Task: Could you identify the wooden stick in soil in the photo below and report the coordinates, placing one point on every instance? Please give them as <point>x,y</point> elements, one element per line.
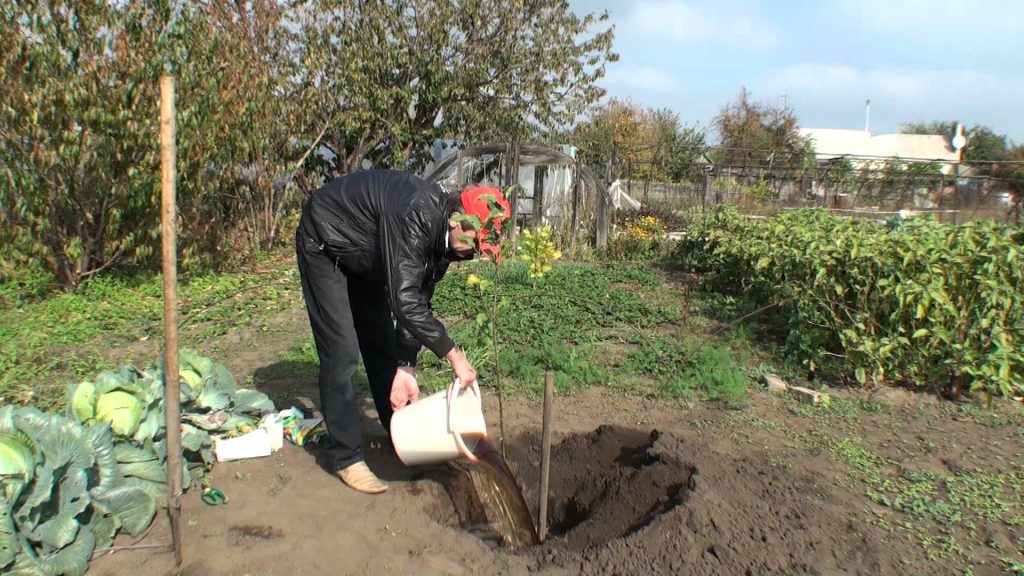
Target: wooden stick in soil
<point>545,456</point>
<point>168,215</point>
<point>497,363</point>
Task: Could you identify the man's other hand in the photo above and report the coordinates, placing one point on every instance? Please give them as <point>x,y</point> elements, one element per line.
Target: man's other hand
<point>404,388</point>
<point>464,371</point>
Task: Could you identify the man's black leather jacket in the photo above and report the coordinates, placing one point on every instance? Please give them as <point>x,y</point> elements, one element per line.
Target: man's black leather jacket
<point>389,227</point>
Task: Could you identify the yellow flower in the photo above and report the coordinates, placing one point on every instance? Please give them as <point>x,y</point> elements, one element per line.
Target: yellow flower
<point>472,280</point>
<point>537,249</point>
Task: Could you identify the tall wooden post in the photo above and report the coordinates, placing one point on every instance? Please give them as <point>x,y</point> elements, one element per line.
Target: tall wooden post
<point>172,391</point>
<point>506,185</point>
<point>545,456</point>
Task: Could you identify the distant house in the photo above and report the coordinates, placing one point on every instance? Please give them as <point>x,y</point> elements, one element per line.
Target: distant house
<point>865,150</point>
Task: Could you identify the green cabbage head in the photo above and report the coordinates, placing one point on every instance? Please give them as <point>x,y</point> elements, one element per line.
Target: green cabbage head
<point>16,458</point>
<point>82,402</point>
<point>123,411</point>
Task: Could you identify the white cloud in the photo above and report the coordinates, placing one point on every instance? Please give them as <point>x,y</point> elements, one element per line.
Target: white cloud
<point>685,22</point>
<point>642,78</point>
<point>957,24</point>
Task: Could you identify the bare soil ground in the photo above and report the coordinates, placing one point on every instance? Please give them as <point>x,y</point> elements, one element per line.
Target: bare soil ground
<point>638,486</point>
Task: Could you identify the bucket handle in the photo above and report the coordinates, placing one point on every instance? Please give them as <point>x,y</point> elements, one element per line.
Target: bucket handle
<point>453,392</point>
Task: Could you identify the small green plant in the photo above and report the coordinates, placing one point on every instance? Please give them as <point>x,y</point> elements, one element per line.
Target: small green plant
<point>941,547</point>
<point>760,190</point>
<point>488,233</point>
<point>1015,567</point>
<point>758,422</point>
<point>851,451</point>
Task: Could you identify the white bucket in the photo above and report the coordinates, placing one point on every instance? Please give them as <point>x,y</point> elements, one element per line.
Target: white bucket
<point>430,431</point>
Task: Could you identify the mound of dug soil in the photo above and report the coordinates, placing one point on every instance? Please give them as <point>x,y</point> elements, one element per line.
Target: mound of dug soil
<point>629,501</point>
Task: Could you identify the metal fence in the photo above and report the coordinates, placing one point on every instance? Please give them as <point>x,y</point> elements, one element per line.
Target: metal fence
<point>584,204</point>
<point>863,192</point>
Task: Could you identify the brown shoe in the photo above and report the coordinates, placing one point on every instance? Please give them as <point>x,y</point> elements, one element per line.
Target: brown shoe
<point>359,477</point>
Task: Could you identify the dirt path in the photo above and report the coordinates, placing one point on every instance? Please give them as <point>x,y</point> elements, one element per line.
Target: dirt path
<point>639,486</point>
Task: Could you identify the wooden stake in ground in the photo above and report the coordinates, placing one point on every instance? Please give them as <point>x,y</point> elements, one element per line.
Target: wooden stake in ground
<point>545,456</point>
<point>168,217</point>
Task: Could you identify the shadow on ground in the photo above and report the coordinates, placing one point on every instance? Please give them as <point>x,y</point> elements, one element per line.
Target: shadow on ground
<point>294,383</point>
<point>291,378</point>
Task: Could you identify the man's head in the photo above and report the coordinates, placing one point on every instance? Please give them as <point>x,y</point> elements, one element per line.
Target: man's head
<point>464,239</point>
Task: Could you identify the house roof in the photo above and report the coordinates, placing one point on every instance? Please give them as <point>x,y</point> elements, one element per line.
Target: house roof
<point>832,143</point>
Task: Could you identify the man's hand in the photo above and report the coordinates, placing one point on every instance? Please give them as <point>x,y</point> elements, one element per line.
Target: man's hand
<point>404,388</point>
<point>464,371</point>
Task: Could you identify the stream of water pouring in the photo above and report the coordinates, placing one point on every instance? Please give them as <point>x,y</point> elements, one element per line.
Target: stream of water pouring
<point>502,499</point>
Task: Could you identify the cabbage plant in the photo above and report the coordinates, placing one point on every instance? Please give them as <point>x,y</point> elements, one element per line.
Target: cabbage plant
<point>69,483</point>
<point>62,494</point>
<point>131,402</point>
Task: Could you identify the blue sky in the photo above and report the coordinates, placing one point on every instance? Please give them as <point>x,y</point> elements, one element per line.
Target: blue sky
<point>917,60</point>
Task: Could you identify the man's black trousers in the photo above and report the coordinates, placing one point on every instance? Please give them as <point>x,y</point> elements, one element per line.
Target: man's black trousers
<point>348,317</point>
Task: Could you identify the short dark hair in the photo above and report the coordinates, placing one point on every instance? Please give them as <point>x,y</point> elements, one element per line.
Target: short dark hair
<point>455,206</point>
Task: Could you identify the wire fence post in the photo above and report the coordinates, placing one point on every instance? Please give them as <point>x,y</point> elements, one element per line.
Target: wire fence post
<point>629,178</point>
<point>603,216</point>
<point>539,176</point>
<point>514,197</point>
<point>574,221</point>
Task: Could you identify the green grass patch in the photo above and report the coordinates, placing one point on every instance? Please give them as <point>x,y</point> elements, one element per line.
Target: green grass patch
<point>991,417</point>
<point>582,321</point>
<point>685,370</point>
<point>46,343</point>
<point>844,409</point>
<point>748,418</point>
<point>943,507</point>
<point>619,325</point>
<point>299,362</point>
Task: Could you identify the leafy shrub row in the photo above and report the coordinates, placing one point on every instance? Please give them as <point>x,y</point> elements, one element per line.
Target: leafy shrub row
<point>912,300</point>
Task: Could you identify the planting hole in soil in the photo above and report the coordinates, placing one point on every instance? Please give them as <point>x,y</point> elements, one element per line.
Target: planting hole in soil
<point>604,485</point>
<point>609,484</point>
